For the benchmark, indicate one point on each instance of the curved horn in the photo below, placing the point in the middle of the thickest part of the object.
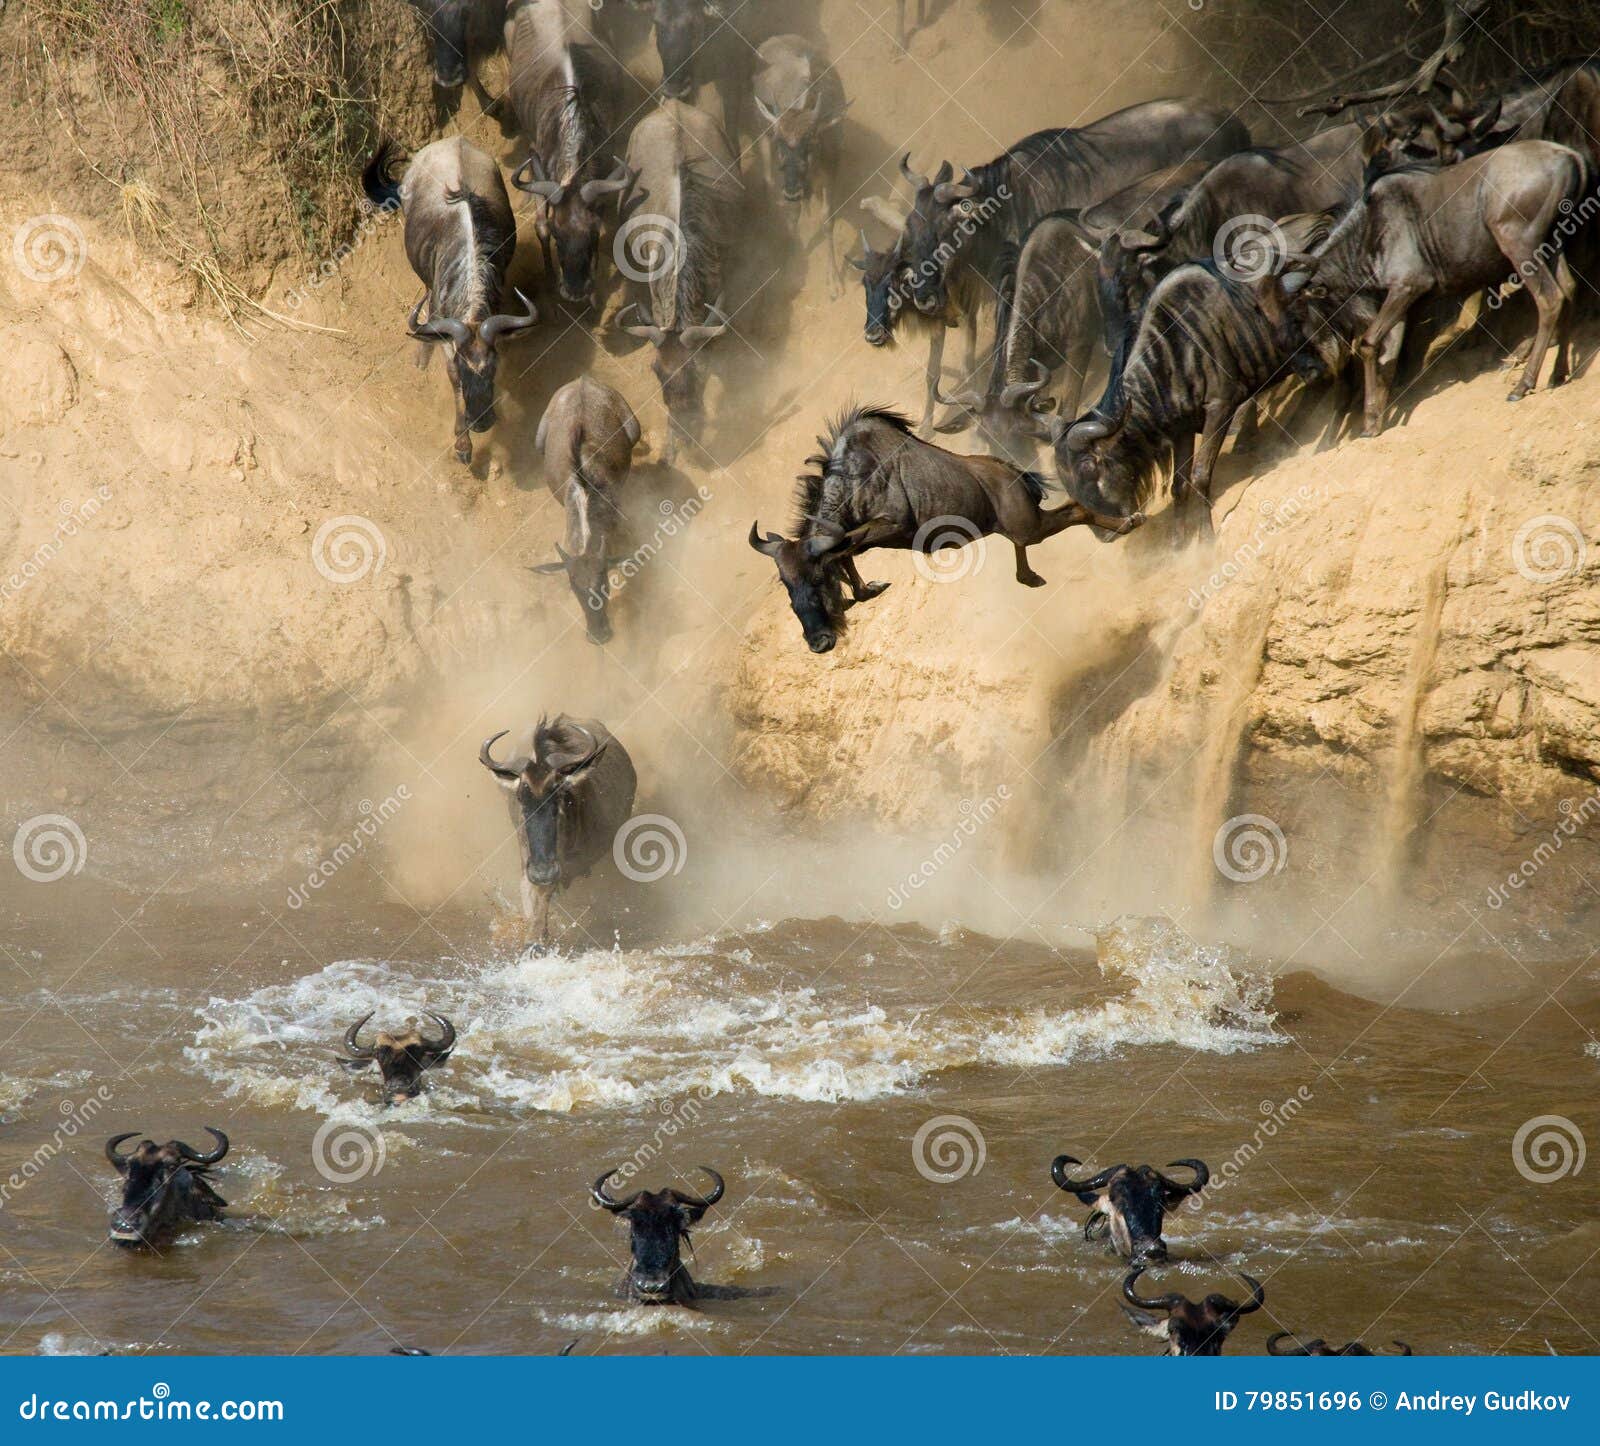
(355, 1050)
(768, 545)
(862, 262)
(486, 758)
(1404, 1349)
(1058, 1173)
(915, 181)
(1258, 1295)
(1276, 1336)
(970, 399)
(119, 1162)
(498, 326)
(767, 112)
(1155, 1302)
(620, 179)
(598, 1191)
(437, 328)
(952, 191)
(596, 748)
(1202, 1176)
(647, 329)
(530, 177)
(701, 332)
(1016, 393)
(706, 1202)
(1083, 435)
(190, 1153)
(446, 1042)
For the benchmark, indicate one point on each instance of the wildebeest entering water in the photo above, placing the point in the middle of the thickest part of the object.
(1190, 1329)
(403, 1058)
(1130, 1203)
(876, 484)
(165, 1187)
(567, 801)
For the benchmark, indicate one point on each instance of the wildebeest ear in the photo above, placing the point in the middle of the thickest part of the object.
(546, 568)
(1136, 240)
(1488, 120)
(771, 544)
(1372, 142)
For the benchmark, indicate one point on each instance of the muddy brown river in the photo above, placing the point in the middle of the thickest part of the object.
(884, 1104)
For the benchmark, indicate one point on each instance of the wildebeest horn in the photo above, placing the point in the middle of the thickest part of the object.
(447, 1041)
(915, 181)
(1404, 1350)
(706, 1202)
(596, 748)
(1258, 1295)
(598, 1191)
(1016, 393)
(646, 328)
(702, 333)
(1296, 1350)
(867, 253)
(1058, 1173)
(498, 326)
(768, 544)
(190, 1153)
(437, 328)
(119, 1162)
(973, 401)
(1202, 1175)
(949, 192)
(355, 1050)
(619, 180)
(1093, 428)
(539, 184)
(486, 758)
(1449, 129)
(770, 115)
(1156, 1302)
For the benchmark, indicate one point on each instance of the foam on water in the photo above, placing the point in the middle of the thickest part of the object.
(619, 1029)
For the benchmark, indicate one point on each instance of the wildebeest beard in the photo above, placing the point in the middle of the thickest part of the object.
(165, 1187)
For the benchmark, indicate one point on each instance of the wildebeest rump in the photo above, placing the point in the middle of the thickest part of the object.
(460, 238)
(1130, 1203)
(876, 484)
(1191, 1329)
(567, 801)
(586, 438)
(165, 1187)
(402, 1059)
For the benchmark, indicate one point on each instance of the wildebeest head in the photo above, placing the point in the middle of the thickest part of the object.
(1191, 1329)
(403, 1058)
(588, 574)
(545, 792)
(1320, 1347)
(677, 364)
(1011, 421)
(164, 1187)
(884, 280)
(796, 133)
(1131, 1203)
(682, 29)
(571, 221)
(658, 1224)
(1422, 132)
(474, 354)
(1104, 478)
(942, 219)
(808, 568)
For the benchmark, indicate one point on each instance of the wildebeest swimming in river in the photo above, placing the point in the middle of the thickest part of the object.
(403, 1058)
(165, 1187)
(1190, 1329)
(1130, 1203)
(879, 485)
(567, 801)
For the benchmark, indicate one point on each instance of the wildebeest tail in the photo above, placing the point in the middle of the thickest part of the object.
(378, 181)
(1034, 485)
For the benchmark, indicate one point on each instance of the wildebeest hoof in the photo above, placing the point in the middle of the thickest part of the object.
(1030, 578)
(870, 590)
(1516, 394)
(464, 452)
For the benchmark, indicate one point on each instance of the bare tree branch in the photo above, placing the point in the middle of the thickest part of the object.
(1460, 15)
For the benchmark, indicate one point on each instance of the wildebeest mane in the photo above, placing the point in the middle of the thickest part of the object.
(469, 280)
(680, 294)
(817, 493)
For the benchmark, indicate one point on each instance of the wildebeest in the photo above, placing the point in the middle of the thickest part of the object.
(1202, 348)
(677, 227)
(876, 484)
(1129, 1203)
(1320, 1347)
(586, 437)
(403, 1058)
(460, 32)
(1190, 1329)
(962, 222)
(567, 802)
(700, 41)
(460, 239)
(801, 98)
(565, 88)
(658, 1223)
(164, 1187)
(1489, 219)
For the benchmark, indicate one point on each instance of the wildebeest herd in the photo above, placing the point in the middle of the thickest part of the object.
(1205, 272)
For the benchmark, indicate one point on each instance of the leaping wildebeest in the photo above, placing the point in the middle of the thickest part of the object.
(164, 1187)
(567, 800)
(565, 89)
(877, 484)
(460, 238)
(1190, 1329)
(403, 1058)
(659, 1222)
(1130, 1203)
(673, 238)
(586, 437)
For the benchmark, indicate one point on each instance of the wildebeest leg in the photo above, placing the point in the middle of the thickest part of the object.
(1025, 574)
(931, 378)
(1182, 467)
(1569, 291)
(529, 910)
(463, 435)
(1551, 301)
(861, 591)
(1393, 311)
(1342, 398)
(1249, 426)
(1218, 415)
